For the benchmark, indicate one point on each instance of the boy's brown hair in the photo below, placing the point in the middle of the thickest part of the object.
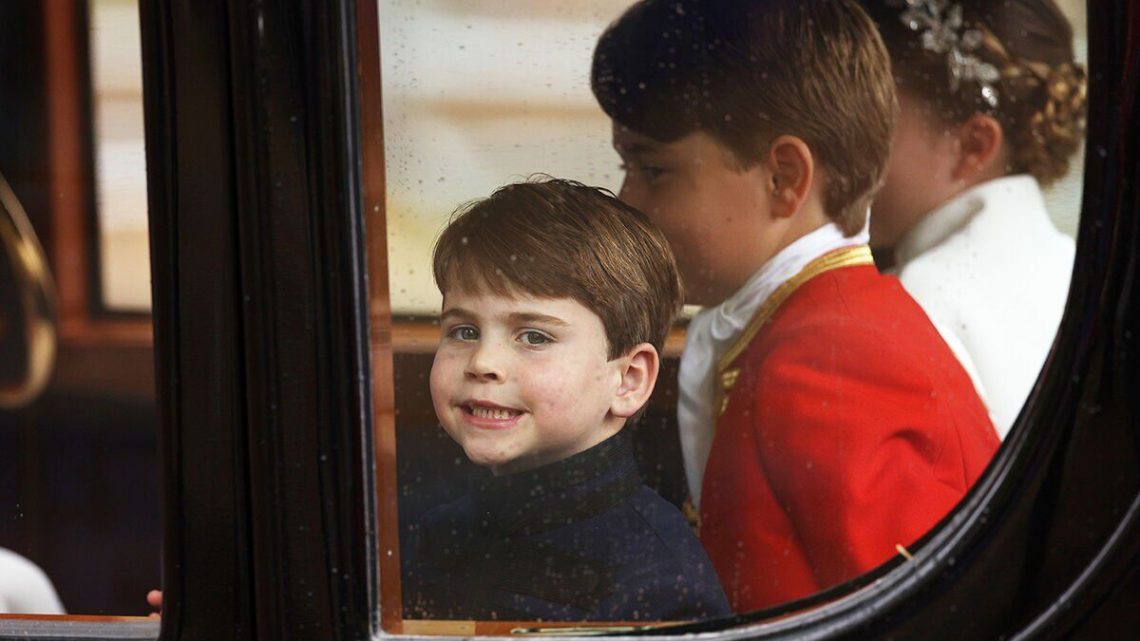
(556, 238)
(748, 71)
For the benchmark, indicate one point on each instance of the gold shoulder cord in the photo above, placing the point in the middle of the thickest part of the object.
(846, 257)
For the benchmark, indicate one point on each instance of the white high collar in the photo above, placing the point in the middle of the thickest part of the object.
(1014, 196)
(714, 330)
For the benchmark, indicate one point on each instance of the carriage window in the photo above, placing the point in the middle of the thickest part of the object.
(479, 95)
(120, 163)
(79, 492)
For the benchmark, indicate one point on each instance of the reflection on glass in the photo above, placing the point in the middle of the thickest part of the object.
(810, 440)
(78, 464)
(27, 319)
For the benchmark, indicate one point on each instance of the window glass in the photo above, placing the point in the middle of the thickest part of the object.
(120, 163)
(476, 95)
(1063, 198)
(79, 489)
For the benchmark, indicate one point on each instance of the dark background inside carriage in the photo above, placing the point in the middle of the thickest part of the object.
(79, 495)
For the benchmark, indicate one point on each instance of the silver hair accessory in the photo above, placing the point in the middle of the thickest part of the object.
(940, 23)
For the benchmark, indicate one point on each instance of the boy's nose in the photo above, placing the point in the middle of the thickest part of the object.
(631, 194)
(625, 193)
(485, 364)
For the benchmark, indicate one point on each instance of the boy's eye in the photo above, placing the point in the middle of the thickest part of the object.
(532, 337)
(464, 333)
(648, 172)
(652, 173)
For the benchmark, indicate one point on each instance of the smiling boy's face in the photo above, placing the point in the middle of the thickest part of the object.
(520, 381)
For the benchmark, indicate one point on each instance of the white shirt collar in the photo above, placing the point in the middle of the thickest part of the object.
(1009, 194)
(713, 331)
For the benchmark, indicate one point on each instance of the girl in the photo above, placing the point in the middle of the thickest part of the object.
(992, 108)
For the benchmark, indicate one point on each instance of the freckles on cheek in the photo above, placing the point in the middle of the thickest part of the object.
(550, 398)
(440, 377)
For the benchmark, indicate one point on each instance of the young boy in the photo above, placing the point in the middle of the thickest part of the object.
(556, 301)
(824, 422)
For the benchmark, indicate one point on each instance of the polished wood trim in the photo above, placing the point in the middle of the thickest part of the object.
(476, 110)
(292, 83)
(86, 618)
(381, 329)
(113, 368)
(422, 336)
(521, 629)
(83, 332)
(415, 336)
(197, 309)
(69, 172)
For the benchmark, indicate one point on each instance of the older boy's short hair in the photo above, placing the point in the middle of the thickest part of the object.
(562, 239)
(748, 71)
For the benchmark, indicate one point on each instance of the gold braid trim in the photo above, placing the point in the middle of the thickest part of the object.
(845, 257)
(726, 378)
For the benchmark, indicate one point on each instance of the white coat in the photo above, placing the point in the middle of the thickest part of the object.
(992, 271)
(24, 588)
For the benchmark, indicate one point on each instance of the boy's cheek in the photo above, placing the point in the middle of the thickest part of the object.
(443, 366)
(439, 382)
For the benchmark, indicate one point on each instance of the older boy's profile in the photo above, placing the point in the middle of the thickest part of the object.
(824, 421)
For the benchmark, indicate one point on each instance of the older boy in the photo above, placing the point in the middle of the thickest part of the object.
(824, 422)
(556, 301)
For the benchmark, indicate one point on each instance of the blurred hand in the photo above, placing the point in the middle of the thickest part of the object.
(154, 599)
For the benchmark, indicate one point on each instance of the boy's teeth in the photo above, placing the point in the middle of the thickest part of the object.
(485, 412)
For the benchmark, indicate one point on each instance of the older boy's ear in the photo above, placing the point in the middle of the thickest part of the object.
(980, 149)
(638, 377)
(793, 169)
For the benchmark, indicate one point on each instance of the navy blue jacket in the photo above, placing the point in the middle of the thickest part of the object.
(577, 540)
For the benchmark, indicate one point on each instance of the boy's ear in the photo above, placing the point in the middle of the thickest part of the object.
(979, 142)
(638, 377)
(793, 169)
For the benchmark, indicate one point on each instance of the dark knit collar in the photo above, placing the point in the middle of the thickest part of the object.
(573, 489)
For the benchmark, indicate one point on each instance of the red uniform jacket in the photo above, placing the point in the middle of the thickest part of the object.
(848, 428)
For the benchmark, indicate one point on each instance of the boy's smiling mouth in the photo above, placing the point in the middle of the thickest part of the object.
(490, 411)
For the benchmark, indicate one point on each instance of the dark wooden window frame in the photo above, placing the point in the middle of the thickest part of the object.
(264, 161)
